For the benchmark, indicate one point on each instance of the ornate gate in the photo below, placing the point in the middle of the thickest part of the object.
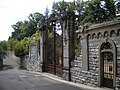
(108, 69)
(53, 63)
(54, 58)
(56, 43)
(107, 65)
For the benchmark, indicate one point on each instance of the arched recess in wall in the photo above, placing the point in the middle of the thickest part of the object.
(99, 35)
(80, 44)
(107, 47)
(113, 33)
(89, 36)
(118, 32)
(93, 35)
(106, 34)
(80, 39)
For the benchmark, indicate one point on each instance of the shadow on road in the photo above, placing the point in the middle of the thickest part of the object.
(22, 68)
(6, 67)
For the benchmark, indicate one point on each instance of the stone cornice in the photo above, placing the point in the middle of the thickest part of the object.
(101, 25)
(87, 28)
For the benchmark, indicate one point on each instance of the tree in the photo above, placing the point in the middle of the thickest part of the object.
(36, 19)
(23, 32)
(36, 35)
(3, 48)
(80, 9)
(117, 7)
(109, 8)
(11, 43)
(17, 30)
(27, 28)
(97, 11)
(21, 48)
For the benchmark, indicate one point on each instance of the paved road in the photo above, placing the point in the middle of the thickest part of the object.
(12, 78)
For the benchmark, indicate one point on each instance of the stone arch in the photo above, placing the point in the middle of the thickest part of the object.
(106, 34)
(89, 36)
(112, 33)
(93, 35)
(99, 35)
(113, 50)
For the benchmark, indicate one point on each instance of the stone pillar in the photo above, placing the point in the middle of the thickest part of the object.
(33, 62)
(43, 47)
(84, 52)
(68, 43)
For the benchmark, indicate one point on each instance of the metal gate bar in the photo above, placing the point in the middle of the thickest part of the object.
(108, 69)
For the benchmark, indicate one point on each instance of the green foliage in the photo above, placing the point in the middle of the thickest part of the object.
(50, 34)
(94, 11)
(97, 11)
(21, 48)
(24, 32)
(110, 9)
(27, 28)
(60, 8)
(35, 36)
(11, 43)
(118, 7)
(3, 48)
(77, 44)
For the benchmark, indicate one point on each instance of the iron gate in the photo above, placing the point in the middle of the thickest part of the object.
(108, 69)
(54, 61)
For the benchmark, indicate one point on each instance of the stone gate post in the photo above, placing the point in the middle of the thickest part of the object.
(33, 61)
(68, 43)
(43, 47)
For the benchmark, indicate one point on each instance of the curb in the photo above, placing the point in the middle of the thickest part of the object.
(54, 77)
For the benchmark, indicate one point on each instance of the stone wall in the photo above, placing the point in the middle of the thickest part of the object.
(33, 63)
(95, 36)
(84, 77)
(87, 77)
(25, 62)
(20, 61)
(12, 56)
(93, 54)
(117, 83)
(117, 42)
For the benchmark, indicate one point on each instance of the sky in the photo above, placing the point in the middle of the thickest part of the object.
(12, 11)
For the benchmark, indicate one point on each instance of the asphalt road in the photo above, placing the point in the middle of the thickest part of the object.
(12, 78)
